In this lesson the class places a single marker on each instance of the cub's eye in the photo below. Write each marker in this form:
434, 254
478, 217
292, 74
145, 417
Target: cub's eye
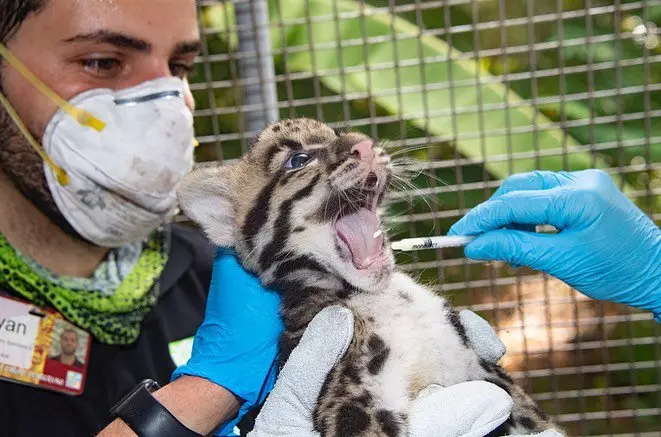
298, 160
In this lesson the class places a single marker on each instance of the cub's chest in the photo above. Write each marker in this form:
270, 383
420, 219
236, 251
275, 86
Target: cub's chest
409, 318
416, 326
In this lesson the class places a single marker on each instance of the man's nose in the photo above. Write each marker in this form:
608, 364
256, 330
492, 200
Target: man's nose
363, 150
188, 96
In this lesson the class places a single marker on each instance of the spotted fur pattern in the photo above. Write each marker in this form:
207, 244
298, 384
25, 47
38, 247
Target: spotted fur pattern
280, 218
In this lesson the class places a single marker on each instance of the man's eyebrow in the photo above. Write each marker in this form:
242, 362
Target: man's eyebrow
188, 47
113, 38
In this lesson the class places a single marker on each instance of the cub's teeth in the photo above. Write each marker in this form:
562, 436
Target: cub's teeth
378, 233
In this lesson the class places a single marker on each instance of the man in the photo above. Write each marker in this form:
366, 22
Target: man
69, 346
95, 134
80, 229
134, 285
86, 182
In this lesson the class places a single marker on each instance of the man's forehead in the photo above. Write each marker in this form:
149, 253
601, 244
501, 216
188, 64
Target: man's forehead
159, 22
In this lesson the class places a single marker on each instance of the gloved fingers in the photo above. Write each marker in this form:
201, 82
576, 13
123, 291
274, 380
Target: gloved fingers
517, 248
324, 342
469, 409
482, 337
291, 403
534, 180
513, 208
235, 293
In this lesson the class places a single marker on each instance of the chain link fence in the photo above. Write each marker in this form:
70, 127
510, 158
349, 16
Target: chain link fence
467, 92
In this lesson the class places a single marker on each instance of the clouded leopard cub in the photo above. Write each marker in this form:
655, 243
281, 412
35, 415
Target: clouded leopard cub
302, 211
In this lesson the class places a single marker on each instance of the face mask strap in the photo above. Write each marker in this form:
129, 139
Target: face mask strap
62, 177
84, 118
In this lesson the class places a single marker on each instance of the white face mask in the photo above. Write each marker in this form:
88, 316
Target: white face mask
113, 159
122, 180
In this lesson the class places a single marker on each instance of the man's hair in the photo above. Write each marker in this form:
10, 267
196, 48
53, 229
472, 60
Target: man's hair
13, 13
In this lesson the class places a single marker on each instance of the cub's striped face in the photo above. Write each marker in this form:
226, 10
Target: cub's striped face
304, 193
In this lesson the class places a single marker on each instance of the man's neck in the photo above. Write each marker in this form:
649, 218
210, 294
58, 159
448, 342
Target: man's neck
35, 236
69, 360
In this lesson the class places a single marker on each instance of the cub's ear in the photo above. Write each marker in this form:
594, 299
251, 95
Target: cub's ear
205, 196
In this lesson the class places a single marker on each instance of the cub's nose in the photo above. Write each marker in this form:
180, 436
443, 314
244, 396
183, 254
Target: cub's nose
363, 150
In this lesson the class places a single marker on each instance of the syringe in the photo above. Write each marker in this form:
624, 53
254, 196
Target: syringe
431, 242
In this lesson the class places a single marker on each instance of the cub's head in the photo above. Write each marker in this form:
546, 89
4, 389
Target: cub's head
303, 192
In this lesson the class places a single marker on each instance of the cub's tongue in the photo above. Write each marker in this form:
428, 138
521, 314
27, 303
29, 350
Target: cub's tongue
357, 230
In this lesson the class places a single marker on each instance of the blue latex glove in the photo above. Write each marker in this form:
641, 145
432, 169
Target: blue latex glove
237, 344
607, 248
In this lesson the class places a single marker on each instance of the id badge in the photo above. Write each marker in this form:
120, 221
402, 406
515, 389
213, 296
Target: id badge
38, 347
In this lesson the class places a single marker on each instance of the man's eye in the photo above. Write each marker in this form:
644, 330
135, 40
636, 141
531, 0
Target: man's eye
298, 160
107, 67
181, 70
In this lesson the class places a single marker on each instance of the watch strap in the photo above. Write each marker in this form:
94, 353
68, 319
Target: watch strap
149, 418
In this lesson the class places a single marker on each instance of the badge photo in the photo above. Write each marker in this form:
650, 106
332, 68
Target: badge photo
38, 347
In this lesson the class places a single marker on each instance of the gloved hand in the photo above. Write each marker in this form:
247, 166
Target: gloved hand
236, 345
607, 248
466, 409
469, 409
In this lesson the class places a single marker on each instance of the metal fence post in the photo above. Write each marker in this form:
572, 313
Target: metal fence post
256, 65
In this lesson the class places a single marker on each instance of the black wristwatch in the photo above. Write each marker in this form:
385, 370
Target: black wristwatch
146, 416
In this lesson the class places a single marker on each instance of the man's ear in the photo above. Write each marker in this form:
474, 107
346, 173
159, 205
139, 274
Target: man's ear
205, 196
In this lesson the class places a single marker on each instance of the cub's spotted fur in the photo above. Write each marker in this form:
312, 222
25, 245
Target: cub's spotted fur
302, 212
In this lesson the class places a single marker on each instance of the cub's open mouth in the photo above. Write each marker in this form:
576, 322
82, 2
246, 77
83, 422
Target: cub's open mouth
359, 228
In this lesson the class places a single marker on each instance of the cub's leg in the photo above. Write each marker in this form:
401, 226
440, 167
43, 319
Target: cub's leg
349, 404
526, 417
347, 409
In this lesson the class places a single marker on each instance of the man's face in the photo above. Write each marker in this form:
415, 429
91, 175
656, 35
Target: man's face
69, 342
78, 45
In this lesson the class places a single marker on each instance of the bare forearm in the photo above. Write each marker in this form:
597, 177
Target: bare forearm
197, 403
